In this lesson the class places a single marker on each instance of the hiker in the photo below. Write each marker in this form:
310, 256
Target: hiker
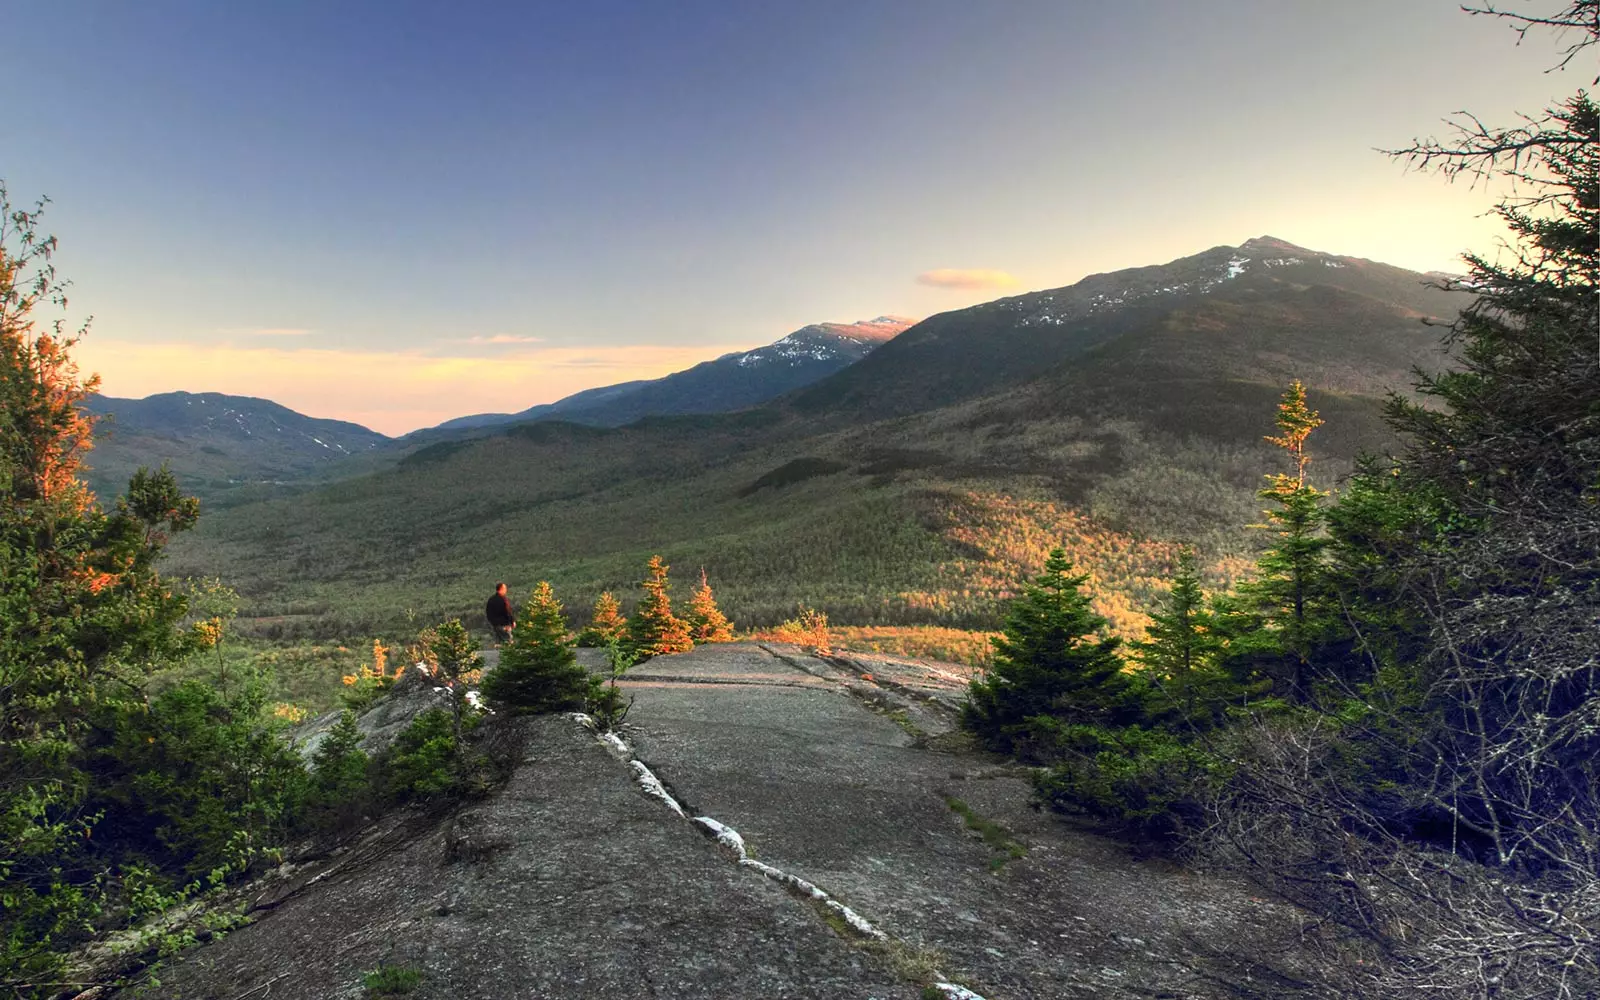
498, 611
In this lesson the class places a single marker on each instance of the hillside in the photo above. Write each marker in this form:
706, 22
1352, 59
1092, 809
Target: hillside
732, 382
216, 443
882, 507
1246, 290
537, 877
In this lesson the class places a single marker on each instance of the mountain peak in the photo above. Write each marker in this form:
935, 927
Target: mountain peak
1264, 244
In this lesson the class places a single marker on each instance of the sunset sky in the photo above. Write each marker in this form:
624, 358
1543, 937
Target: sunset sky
399, 212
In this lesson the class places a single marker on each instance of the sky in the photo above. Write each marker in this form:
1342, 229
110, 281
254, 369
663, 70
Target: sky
400, 212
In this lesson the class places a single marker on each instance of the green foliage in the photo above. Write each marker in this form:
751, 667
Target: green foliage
605, 704
199, 780
340, 785
538, 669
654, 630
1147, 780
423, 761
392, 980
1052, 659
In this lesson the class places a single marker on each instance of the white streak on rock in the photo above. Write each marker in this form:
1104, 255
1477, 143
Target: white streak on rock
725, 835
797, 884
955, 992
652, 787
617, 745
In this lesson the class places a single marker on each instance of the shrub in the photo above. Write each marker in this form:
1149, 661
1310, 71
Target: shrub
808, 630
1144, 779
391, 981
422, 762
205, 778
605, 704
368, 683
340, 786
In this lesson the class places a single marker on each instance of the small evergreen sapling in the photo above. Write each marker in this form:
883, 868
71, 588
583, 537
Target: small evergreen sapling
538, 669
606, 705
654, 630
1053, 664
706, 621
606, 624
340, 789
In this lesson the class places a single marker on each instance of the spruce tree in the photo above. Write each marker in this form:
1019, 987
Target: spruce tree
538, 669
1053, 661
605, 625
1181, 638
654, 630
83, 613
1287, 618
706, 621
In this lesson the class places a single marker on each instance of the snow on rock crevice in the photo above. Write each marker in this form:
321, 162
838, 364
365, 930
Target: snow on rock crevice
806, 890
733, 843
654, 788
725, 836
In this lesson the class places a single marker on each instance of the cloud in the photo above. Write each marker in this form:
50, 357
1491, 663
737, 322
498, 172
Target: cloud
501, 338
966, 279
389, 391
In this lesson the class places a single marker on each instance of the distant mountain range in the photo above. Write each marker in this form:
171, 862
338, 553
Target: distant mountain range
1305, 314
219, 443
731, 382
921, 484
216, 442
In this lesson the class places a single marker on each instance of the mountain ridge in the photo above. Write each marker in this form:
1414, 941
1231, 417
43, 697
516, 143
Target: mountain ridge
216, 441
732, 381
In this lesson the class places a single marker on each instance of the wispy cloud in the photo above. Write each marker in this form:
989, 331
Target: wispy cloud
389, 391
501, 338
967, 279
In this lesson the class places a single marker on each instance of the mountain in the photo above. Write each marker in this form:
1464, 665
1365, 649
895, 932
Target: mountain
1119, 418
732, 382
216, 443
1251, 287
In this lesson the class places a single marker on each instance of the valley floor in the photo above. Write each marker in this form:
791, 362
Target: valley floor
575, 881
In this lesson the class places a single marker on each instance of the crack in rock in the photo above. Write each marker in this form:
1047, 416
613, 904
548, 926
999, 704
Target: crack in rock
652, 787
800, 887
732, 842
725, 836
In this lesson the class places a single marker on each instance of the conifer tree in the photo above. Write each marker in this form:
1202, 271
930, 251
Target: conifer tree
1287, 616
83, 612
1181, 638
538, 669
1053, 660
654, 630
606, 624
451, 653
706, 621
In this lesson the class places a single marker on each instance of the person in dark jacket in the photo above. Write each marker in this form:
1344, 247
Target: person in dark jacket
498, 611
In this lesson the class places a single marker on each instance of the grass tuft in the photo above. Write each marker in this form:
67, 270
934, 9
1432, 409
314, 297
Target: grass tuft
392, 981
